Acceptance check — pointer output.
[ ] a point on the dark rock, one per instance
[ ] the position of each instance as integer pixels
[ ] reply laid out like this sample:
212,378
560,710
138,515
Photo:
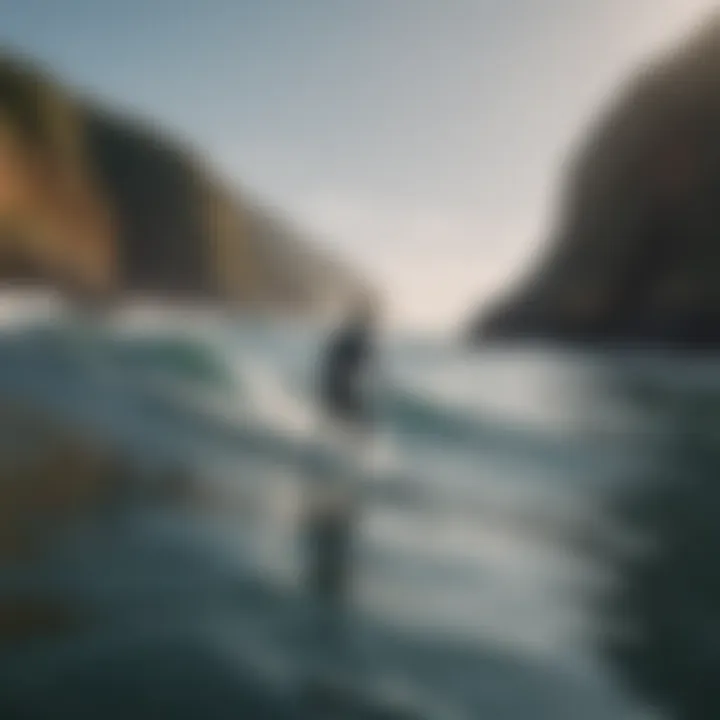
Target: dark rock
634,256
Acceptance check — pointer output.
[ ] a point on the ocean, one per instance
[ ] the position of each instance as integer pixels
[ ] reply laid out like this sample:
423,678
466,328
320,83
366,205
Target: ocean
490,529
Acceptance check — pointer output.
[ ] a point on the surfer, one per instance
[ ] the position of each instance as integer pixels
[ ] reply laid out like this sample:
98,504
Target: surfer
332,513
345,370
331,502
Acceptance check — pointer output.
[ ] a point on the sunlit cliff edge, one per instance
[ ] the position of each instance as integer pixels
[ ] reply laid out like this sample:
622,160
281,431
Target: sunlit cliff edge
140,212
634,254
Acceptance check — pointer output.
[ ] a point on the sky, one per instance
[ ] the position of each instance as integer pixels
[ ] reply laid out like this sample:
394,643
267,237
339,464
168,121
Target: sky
423,140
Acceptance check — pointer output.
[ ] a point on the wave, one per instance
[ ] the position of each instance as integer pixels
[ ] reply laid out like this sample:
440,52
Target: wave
471,506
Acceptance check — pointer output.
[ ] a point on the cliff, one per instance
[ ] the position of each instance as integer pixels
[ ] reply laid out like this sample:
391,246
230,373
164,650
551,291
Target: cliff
105,201
634,255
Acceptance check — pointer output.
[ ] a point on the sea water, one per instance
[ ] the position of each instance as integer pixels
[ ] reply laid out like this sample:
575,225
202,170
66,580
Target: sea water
482,540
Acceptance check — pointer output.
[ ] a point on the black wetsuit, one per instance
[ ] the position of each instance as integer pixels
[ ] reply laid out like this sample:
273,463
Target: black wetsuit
345,364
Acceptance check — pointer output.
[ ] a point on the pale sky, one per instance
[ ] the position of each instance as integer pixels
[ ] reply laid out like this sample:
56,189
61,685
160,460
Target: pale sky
421,139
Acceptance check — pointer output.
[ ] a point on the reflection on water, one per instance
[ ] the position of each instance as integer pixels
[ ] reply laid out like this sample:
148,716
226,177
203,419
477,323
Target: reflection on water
534,540
661,613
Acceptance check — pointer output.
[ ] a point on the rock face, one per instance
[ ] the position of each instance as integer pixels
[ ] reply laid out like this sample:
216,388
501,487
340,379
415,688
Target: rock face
183,233
635,253
177,231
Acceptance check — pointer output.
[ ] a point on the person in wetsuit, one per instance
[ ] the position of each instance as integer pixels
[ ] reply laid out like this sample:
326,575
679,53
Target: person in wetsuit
332,511
346,365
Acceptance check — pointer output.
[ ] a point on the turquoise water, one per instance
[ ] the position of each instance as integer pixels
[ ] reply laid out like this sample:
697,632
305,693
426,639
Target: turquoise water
487,493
